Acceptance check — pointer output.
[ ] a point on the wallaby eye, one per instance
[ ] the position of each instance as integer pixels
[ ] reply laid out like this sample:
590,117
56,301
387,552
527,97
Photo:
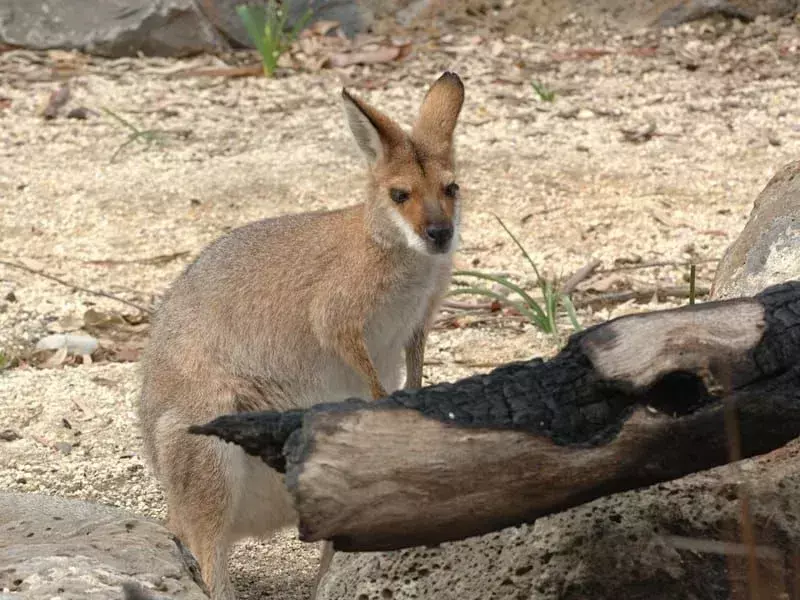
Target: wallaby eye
399,196
451,190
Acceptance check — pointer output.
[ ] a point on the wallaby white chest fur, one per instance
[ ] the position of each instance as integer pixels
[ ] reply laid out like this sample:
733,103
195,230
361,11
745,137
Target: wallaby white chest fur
297,310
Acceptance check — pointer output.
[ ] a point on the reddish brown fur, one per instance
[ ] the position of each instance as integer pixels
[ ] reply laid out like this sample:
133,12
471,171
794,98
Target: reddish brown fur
292,311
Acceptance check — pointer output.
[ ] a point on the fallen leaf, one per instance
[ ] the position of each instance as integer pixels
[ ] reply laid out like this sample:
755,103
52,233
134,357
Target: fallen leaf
497,48
127,353
580,54
321,28
639,134
99,320
58,358
66,324
381,54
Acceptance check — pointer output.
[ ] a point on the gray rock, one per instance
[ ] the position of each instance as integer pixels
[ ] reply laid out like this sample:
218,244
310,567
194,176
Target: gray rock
678,540
74,343
53,547
109,27
768,249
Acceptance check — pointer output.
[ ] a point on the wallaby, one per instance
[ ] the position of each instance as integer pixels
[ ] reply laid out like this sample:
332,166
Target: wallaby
296,310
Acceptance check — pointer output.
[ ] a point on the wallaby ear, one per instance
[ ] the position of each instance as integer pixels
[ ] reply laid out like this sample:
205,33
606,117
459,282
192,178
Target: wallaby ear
374,132
439,112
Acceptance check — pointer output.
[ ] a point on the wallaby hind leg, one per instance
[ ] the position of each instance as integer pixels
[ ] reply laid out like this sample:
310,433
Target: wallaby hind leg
203,481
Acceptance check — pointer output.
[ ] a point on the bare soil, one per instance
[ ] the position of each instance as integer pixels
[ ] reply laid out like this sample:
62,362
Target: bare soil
652,151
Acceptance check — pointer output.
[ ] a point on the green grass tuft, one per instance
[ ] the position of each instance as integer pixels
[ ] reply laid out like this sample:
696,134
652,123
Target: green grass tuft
543,315
544,93
267,28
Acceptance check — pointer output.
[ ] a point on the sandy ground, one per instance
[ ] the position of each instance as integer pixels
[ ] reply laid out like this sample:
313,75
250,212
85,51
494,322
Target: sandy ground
724,100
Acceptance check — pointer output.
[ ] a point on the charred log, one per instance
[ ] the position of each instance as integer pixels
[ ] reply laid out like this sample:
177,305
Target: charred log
628,403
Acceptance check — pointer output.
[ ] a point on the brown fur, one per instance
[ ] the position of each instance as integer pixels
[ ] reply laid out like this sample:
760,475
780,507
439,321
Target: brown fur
288,312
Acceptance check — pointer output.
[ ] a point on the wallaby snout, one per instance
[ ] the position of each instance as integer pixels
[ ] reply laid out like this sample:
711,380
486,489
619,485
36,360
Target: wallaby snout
439,237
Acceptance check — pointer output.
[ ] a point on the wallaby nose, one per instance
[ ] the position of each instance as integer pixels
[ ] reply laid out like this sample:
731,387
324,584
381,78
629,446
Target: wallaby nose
440,234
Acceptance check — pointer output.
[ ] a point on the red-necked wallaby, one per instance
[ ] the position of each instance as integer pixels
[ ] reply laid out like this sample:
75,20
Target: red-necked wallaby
297,310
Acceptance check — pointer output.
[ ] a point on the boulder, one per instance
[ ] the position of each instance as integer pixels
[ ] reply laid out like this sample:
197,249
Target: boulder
117,28
58,548
768,250
109,27
676,540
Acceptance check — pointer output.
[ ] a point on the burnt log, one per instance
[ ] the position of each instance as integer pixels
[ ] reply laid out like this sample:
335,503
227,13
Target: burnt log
635,401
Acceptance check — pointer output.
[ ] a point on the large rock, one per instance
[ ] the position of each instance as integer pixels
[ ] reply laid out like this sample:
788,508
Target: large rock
152,27
768,250
56,548
109,27
679,540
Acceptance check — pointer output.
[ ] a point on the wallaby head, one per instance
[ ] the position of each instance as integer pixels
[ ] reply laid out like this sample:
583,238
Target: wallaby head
413,194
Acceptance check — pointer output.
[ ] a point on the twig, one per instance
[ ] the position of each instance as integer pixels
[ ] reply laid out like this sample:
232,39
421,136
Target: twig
652,265
583,273
153,260
618,297
720,547
88,413
448,322
73,286
232,72
457,305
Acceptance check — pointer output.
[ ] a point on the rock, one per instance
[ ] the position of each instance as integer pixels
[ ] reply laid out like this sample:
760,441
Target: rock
680,539
58,548
81,113
768,249
9,435
63,447
109,27
74,343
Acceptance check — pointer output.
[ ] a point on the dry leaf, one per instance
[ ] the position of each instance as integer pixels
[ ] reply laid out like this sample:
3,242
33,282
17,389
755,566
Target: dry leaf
127,353
99,320
58,358
381,54
320,28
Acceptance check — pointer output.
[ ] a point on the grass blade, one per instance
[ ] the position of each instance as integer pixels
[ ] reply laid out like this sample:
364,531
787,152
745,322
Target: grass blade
571,312
520,307
529,301
521,247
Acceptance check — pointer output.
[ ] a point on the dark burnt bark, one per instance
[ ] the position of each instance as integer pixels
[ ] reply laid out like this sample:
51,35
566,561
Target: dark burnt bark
626,404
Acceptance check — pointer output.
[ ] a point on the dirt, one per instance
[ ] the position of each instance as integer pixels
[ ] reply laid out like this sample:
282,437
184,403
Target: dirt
711,112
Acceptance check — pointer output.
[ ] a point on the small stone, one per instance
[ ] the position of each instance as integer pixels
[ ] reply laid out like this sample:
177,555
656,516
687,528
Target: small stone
9,435
64,447
75,344
11,296
584,114
81,113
